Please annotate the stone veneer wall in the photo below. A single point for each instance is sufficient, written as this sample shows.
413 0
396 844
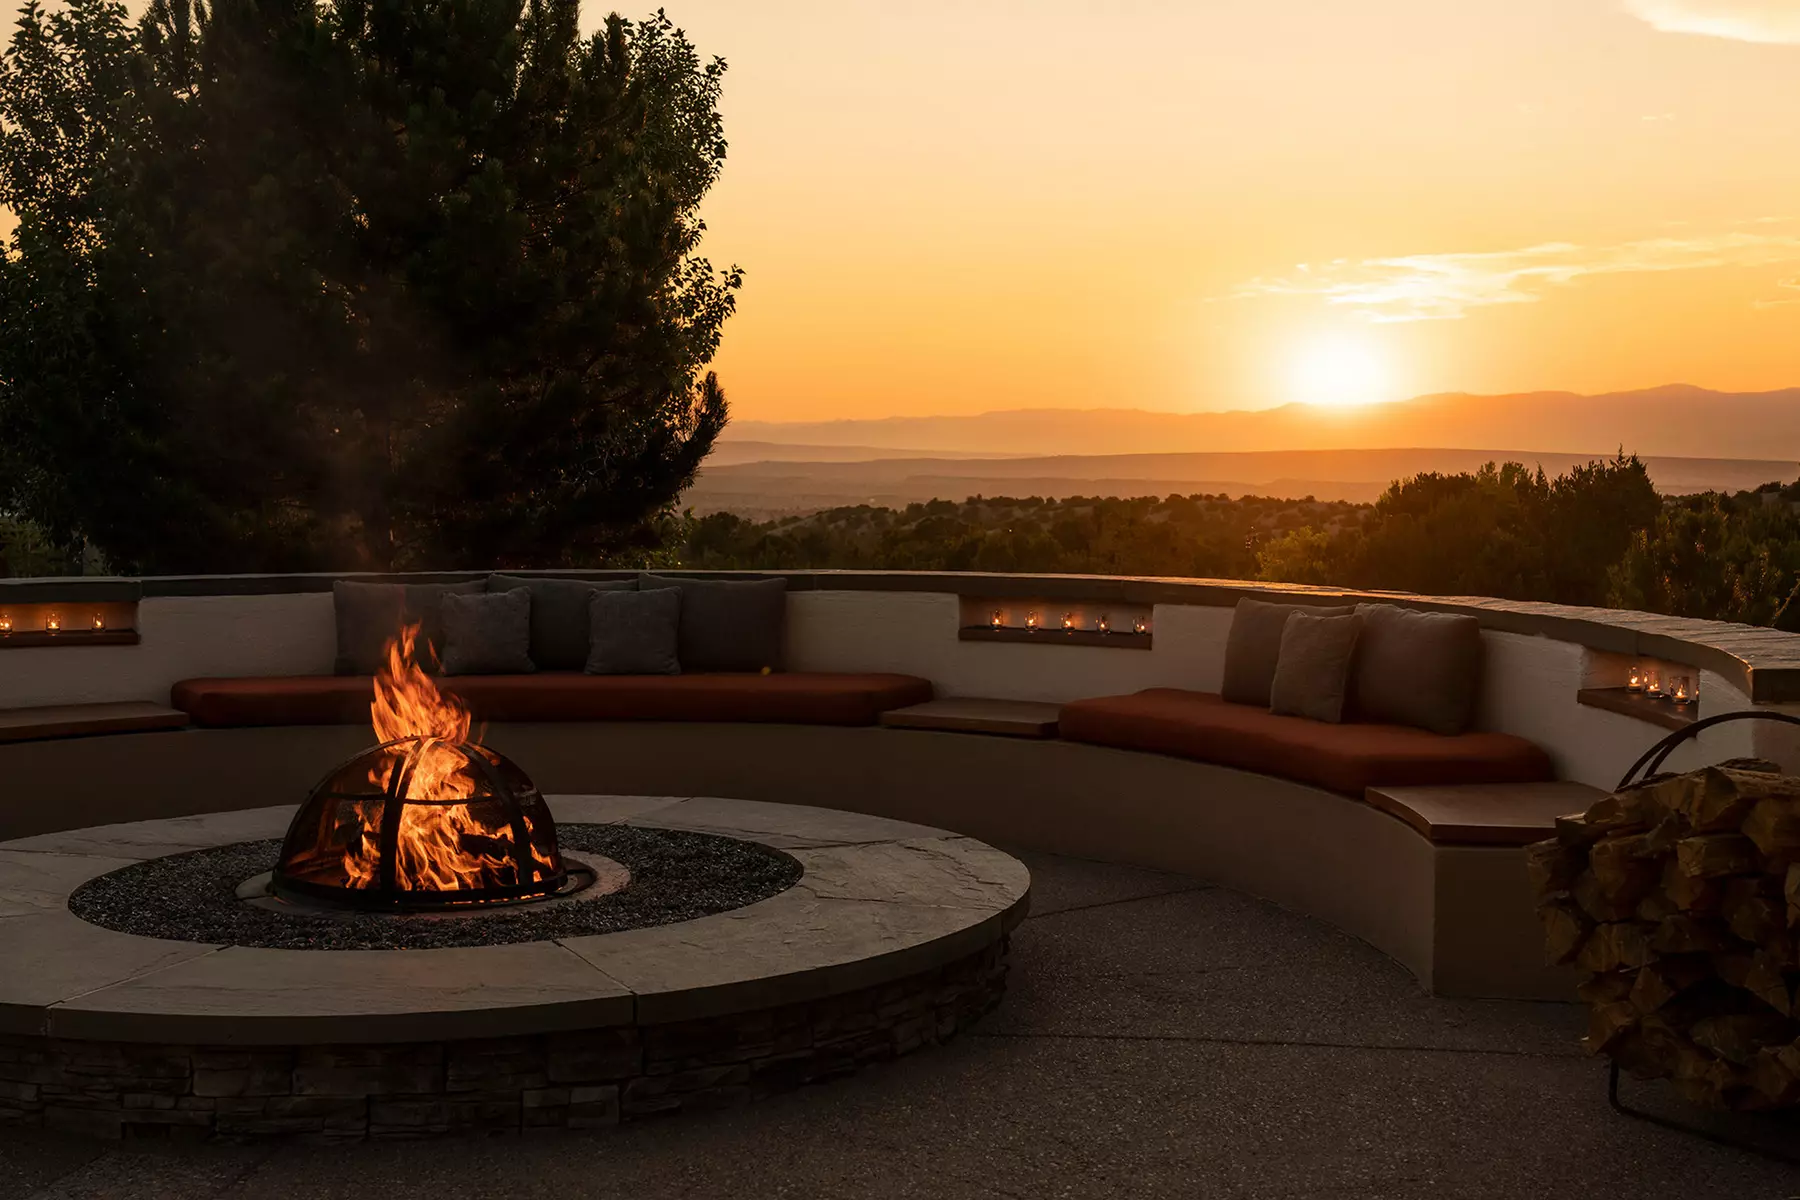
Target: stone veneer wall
583 1079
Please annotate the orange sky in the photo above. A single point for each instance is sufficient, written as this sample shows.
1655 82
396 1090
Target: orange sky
960 205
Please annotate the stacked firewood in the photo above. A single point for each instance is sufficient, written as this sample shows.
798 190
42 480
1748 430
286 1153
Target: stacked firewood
1679 901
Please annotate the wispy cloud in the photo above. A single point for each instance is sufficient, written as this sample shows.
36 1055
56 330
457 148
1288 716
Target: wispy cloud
1790 285
1444 287
1775 22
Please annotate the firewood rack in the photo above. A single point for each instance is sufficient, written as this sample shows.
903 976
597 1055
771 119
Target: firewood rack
1647 765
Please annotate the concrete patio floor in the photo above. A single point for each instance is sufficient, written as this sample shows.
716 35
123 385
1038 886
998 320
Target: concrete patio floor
1159 1039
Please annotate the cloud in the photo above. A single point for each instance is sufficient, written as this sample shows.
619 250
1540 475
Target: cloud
1792 285
1776 22
1444 287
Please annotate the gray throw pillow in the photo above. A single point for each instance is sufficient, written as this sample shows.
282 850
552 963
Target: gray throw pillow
1417 668
559 616
1254 645
728 625
635 633
489 634
1312 672
369 615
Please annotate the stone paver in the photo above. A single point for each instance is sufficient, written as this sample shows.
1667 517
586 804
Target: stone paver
173 835
1165 1062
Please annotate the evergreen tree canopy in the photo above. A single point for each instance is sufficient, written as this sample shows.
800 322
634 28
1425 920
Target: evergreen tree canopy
309 284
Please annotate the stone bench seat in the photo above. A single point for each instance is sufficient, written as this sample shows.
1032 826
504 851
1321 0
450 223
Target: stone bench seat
801 698
1347 759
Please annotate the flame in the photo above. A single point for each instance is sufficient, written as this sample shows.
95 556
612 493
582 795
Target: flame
443 845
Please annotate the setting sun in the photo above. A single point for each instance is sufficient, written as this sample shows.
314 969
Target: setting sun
1338 371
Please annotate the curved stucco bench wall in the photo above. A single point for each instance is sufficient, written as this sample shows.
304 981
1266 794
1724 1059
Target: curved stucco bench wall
1538 655
1457 915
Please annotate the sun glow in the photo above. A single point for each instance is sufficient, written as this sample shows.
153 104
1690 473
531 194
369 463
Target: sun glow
1338 371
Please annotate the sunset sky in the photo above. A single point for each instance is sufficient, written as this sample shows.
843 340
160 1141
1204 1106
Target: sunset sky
952 206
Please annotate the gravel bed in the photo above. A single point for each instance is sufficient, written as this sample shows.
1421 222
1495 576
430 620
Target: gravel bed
675 876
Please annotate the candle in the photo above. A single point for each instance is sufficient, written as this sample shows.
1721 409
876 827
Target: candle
1031 620
1653 682
1068 622
1104 624
5 623
99 621
1139 625
998 620
52 623
1634 682
1682 693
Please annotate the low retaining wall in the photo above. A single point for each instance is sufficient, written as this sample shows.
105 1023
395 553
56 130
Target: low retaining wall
569 1080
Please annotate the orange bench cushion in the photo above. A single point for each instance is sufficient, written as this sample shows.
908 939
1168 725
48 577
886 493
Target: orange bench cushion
1339 758
799 698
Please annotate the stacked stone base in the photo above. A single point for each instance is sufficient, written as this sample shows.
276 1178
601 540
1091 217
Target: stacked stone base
577 1080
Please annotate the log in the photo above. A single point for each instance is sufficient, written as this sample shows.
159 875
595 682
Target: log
1689 893
1712 855
1575 833
1624 869
1774 825
1775 1074
1606 1024
1702 1078
1741 1037
1656 907
1633 810
1757 921
1768 982
1718 799
1602 904
1686 934
1552 867
1661 981
1597 990
1615 946
1759 766
1566 927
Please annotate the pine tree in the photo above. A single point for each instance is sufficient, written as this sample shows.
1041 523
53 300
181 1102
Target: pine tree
383 283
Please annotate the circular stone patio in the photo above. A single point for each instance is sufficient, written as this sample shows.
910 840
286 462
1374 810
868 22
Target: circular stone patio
894 937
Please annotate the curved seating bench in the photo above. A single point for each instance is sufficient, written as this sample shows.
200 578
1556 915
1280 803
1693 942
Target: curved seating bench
1348 758
797 698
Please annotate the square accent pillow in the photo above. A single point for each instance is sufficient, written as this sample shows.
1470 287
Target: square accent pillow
635 633
1312 672
488 634
369 615
1417 668
559 616
1254 645
728 625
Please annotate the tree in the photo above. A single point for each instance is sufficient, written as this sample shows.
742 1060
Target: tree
1502 531
1728 558
384 283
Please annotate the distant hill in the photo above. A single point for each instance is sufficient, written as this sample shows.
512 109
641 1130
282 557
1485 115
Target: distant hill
1677 420
788 487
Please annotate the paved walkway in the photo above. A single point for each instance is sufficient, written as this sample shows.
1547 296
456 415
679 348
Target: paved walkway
1160 1039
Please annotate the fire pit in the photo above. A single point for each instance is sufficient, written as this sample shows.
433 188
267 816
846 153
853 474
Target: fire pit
427 819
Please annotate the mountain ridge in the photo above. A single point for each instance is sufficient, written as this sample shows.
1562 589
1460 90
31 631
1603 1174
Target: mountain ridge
1671 420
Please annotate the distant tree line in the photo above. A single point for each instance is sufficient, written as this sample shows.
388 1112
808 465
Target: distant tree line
1599 535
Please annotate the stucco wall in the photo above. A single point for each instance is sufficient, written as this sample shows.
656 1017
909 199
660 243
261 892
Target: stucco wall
1529 687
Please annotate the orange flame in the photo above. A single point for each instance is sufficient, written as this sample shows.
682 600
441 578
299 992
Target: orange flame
442 846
